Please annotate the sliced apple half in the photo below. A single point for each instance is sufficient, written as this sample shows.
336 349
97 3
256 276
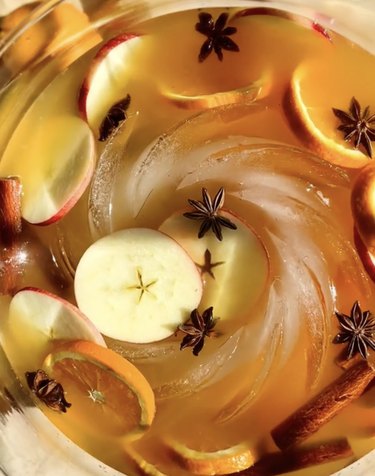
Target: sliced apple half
55 165
234 271
107 78
36 319
137 285
365 255
255 91
47 35
226 461
363 204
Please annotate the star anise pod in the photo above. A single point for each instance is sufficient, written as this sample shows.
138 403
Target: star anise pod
358 330
357 125
47 390
201 327
217 35
207 211
114 118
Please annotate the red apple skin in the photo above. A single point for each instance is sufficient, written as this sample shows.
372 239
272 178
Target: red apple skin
368 259
363 204
69 204
73 199
101 53
73 309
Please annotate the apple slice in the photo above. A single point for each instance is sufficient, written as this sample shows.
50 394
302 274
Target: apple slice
47 35
234 271
55 167
363 204
35 320
106 80
137 285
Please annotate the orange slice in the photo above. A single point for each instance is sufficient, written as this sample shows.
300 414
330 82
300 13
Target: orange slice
247 94
107 393
144 467
229 460
310 96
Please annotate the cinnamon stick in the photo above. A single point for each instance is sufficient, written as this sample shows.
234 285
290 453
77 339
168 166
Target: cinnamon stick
293 460
10 230
343 361
10 210
309 418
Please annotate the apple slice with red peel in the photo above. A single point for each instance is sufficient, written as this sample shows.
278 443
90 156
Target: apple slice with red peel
54 168
234 271
35 320
367 258
107 78
137 285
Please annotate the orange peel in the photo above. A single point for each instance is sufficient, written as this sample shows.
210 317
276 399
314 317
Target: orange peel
224 461
102 387
255 91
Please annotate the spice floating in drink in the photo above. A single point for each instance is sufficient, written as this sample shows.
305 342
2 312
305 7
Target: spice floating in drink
357 330
217 35
201 326
318 411
116 115
208 265
47 390
208 212
357 125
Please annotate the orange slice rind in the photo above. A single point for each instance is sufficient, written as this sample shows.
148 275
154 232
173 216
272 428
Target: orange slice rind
244 95
315 124
224 461
102 387
144 467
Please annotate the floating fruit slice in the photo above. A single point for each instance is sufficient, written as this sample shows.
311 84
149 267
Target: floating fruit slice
366 256
235 270
363 204
310 114
55 167
107 393
144 467
229 460
45 36
36 319
107 78
255 91
137 285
